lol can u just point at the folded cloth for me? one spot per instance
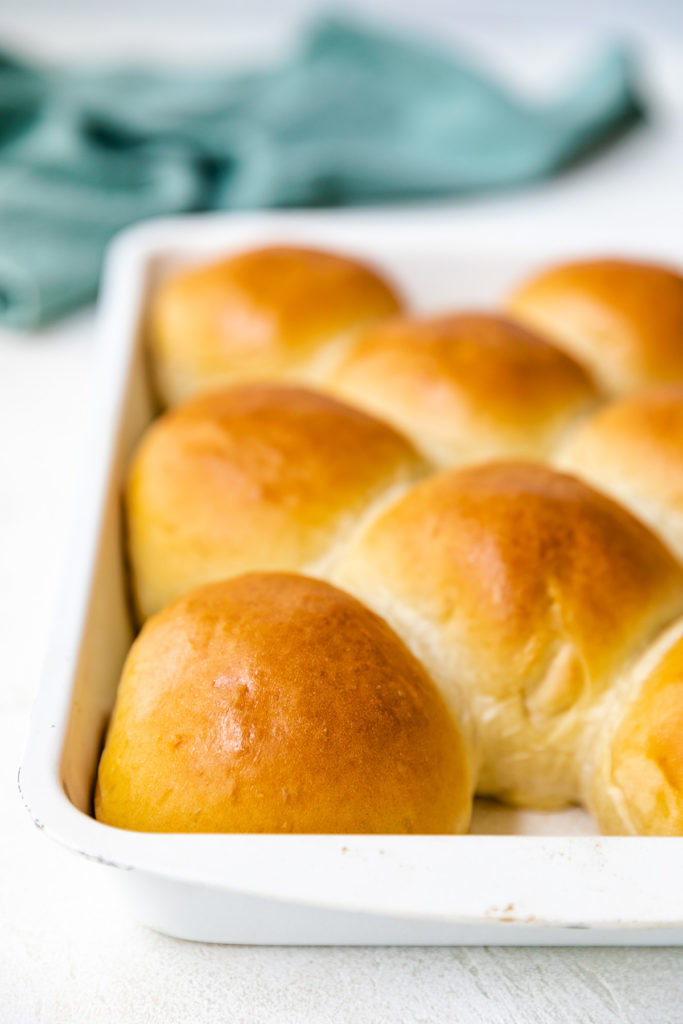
(354, 116)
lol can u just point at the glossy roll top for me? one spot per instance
(254, 477)
(273, 312)
(622, 318)
(466, 387)
(277, 703)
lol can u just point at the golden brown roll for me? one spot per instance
(276, 703)
(633, 450)
(465, 387)
(622, 318)
(255, 477)
(638, 787)
(525, 593)
(261, 314)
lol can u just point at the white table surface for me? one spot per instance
(68, 952)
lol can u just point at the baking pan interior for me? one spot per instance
(431, 281)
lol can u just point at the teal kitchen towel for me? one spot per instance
(355, 116)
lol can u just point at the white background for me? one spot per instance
(68, 953)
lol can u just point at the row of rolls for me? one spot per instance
(384, 562)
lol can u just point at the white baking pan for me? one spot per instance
(551, 881)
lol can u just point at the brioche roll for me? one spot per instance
(465, 387)
(633, 450)
(638, 787)
(525, 593)
(622, 318)
(255, 477)
(262, 314)
(276, 703)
